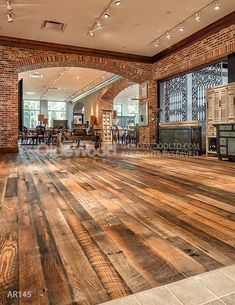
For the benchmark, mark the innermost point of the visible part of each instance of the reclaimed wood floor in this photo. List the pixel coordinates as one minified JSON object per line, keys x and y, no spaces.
{"x":84,"y":231}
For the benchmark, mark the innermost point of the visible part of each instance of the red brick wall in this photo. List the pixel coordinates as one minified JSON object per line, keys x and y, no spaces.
{"x":116,"y":88}
{"x":94,"y":104}
{"x":210,"y":49}
{"x":203,"y":52}
{"x":12,"y":60}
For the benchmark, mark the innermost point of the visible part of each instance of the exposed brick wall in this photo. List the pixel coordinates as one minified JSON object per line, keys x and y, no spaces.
{"x":8,"y":101}
{"x":102,"y":99}
{"x":40,"y":59}
{"x":203,"y":52}
{"x":13,"y":60}
{"x":148,"y":134}
{"x":116,"y":88}
{"x":213,"y":48}
{"x":94,"y":104}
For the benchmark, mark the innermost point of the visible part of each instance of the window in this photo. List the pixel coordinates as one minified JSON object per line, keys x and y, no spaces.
{"x":31,"y":112}
{"x":56,"y":111}
{"x":133,"y":109}
{"x":183,"y":98}
{"x":118,"y":108}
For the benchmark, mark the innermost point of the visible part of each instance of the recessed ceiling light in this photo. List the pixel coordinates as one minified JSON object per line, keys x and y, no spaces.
{"x":30,"y":93}
{"x":36,"y":75}
{"x":117,"y":2}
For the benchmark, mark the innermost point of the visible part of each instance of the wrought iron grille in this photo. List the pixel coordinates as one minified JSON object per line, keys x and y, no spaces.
{"x":184,"y":97}
{"x":175,"y":104}
{"x":201,"y":80}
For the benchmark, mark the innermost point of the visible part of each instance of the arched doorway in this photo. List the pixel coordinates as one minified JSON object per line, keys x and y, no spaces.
{"x":17,"y":60}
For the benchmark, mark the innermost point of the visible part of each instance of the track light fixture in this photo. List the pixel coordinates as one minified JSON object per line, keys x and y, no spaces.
{"x":9,"y":6}
{"x":91,"y":33}
{"x":168,"y":35}
{"x":157,"y":43}
{"x":10,"y":17}
{"x":181,"y":26}
{"x":107,"y":13}
{"x":217,"y":5}
{"x":181,"y":29}
{"x":197,"y":16}
{"x":98,"y":24}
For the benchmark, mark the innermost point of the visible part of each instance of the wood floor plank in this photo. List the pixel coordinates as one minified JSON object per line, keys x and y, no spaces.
{"x":86,"y":230}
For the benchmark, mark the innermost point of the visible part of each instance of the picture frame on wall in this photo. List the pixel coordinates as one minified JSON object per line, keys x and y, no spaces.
{"x":143,"y":113}
{"x":144,"y":91}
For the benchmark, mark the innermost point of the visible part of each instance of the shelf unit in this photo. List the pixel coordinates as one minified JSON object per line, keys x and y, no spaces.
{"x":220,"y":110}
{"x":106,"y":126}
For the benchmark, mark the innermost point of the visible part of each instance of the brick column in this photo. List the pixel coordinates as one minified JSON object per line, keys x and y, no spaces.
{"x":8,"y":101}
{"x":148,"y":134}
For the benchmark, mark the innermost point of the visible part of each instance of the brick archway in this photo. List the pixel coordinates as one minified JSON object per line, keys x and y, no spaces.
{"x":115,"y":89}
{"x":20,"y":59}
{"x":104,"y":97}
{"x":136,"y":72}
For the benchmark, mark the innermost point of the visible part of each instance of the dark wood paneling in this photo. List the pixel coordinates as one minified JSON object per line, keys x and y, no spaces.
{"x":231,"y":68}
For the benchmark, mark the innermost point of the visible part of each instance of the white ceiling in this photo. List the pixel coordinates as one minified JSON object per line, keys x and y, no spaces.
{"x":131,"y":27}
{"x":130,"y":92}
{"x":65,"y":81}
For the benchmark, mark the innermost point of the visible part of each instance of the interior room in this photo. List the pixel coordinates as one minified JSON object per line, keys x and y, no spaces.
{"x":117,"y":150}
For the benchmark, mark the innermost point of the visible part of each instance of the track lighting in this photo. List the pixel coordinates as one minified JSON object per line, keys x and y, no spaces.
{"x":9,"y":6}
{"x":181,"y":29}
{"x":217,"y":5}
{"x":181,"y":26}
{"x":157,"y":43}
{"x":197,"y":17}
{"x":10,"y":17}
{"x":107,"y":13}
{"x":91,"y":33}
{"x":168,"y":35}
{"x":98,"y":24}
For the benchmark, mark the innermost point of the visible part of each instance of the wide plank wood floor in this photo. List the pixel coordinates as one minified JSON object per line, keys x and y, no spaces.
{"x":88,"y":230}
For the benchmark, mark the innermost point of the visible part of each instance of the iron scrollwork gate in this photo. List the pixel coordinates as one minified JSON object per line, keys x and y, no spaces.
{"x":201,"y":80}
{"x":175,"y":106}
{"x":184,"y":97}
